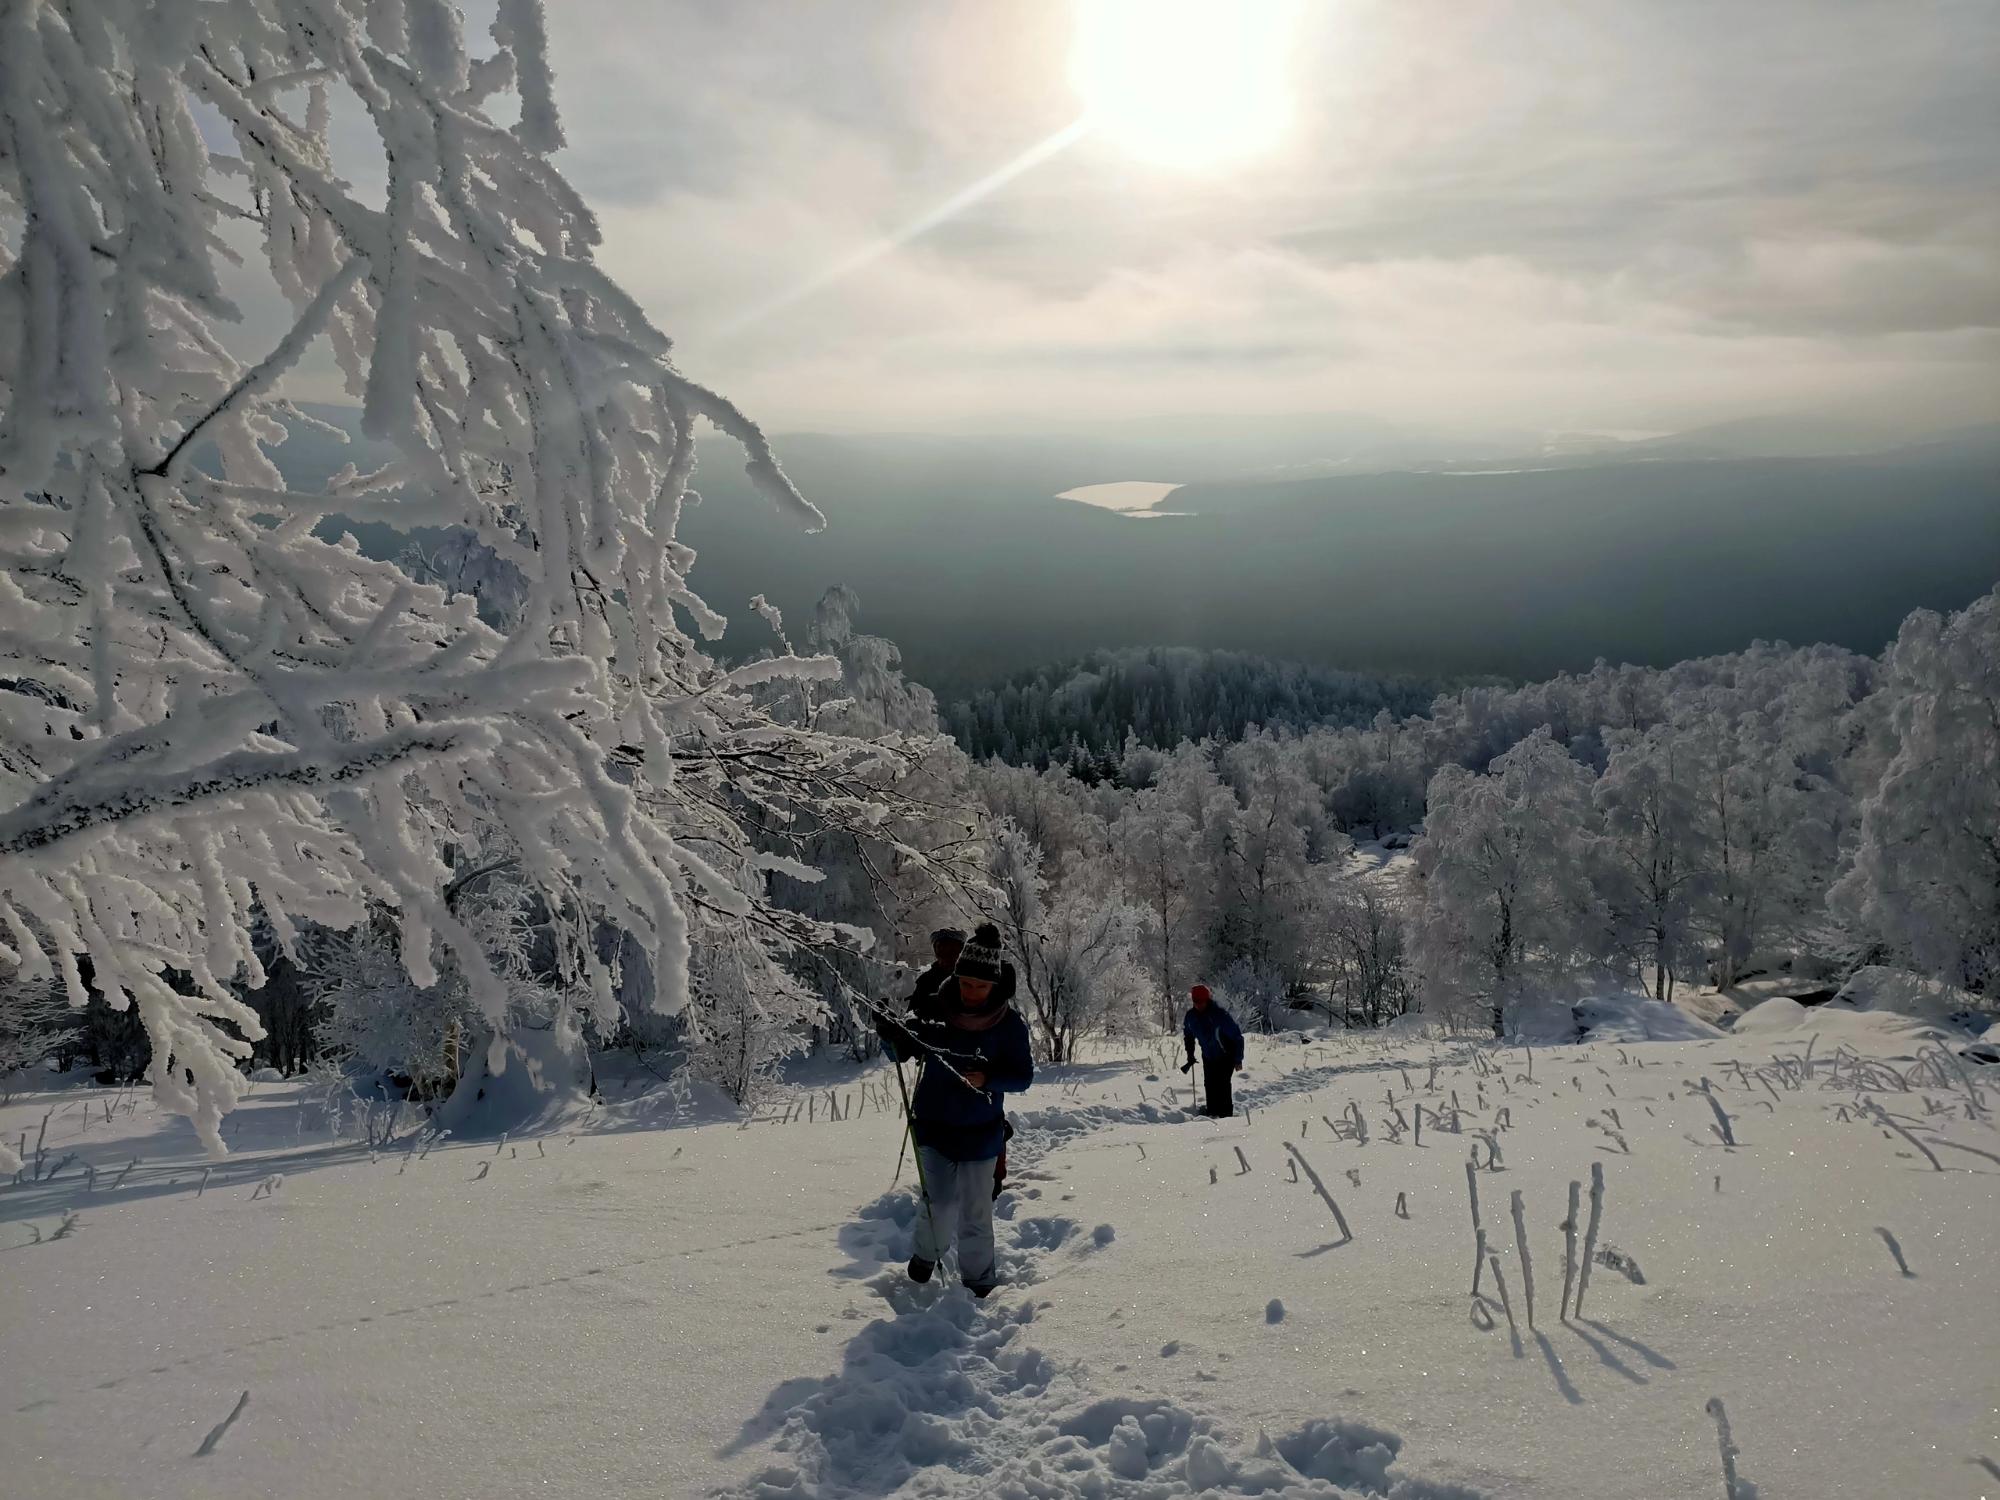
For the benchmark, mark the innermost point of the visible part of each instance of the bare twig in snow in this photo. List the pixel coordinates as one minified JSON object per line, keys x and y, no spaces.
{"x":215,"y":1433}
{"x":1897,"y":1251}
{"x":1478,"y":1229}
{"x":1734,"y":1486}
{"x":1319,"y":1187}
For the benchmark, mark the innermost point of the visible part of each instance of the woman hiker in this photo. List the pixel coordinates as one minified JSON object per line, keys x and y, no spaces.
{"x":1221,"y":1041}
{"x":974,"y":1047}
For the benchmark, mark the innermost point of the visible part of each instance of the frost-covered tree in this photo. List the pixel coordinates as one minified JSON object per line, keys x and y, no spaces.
{"x":1925,"y":884}
{"x":376,"y":1023}
{"x":1653,"y":848}
{"x":1071,"y":942}
{"x":36,"y":1022}
{"x":214,"y":704}
{"x":1265,"y":852}
{"x":1508,"y":906}
{"x":1167,"y":884}
{"x":1364,"y":949}
{"x":749,"y":1013}
{"x":1770,"y":829}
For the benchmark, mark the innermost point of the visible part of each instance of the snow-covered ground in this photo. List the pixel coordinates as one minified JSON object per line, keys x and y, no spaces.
{"x":628,"y":1306}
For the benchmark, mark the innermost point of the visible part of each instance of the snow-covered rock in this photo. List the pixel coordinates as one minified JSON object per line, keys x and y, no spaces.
{"x":1616,"y":1017}
{"x":1899,"y":992}
{"x":1836,"y":1022}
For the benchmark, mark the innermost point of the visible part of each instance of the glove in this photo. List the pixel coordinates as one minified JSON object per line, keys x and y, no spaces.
{"x":1188,"y":1065}
{"x":896,"y":1038}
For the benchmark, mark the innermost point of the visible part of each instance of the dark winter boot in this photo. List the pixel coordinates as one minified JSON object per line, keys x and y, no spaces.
{"x":981,"y":1289}
{"x":920,"y":1269}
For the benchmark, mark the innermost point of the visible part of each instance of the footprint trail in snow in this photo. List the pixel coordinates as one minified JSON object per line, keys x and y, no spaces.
{"x":947,"y":1397}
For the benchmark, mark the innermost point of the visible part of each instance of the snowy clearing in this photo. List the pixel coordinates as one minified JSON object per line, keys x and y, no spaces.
{"x":1276,"y":1305}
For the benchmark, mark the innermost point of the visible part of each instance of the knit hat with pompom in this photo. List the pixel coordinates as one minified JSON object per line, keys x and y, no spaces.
{"x":980,"y":957}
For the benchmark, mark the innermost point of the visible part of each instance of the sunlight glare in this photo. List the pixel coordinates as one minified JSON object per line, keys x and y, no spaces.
{"x":1186,"y":83}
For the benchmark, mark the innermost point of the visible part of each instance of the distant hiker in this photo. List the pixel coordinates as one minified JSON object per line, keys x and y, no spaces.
{"x":1221,"y":1041}
{"x":945,"y":945}
{"x":974,"y":1048}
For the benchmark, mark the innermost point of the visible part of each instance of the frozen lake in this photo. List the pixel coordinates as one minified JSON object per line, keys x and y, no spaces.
{"x":1134,"y":498}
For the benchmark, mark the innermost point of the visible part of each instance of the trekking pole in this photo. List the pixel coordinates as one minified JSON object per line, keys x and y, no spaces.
{"x":904,"y":1149}
{"x":910,"y":1139}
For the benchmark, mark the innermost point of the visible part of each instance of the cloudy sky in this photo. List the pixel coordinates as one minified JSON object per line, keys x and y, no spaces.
{"x":1613,"y":215}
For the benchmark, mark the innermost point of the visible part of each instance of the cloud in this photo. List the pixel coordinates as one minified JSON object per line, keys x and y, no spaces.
{"x":1621,"y":214}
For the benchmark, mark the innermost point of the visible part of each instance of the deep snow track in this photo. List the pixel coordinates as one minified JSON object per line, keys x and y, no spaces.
{"x":945,"y":1396}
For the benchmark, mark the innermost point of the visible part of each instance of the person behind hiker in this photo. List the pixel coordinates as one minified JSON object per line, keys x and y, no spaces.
{"x":1221,"y":1041}
{"x":974,"y":1047}
{"x":945,"y":945}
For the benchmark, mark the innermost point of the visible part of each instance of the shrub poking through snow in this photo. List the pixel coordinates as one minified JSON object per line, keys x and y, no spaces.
{"x":1590,"y":1235}
{"x":1612,"y":1258}
{"x":1527,"y":1263}
{"x":1569,"y":1244}
{"x":1478,"y":1229}
{"x":1883,"y":1115}
{"x":1616,"y":1136}
{"x":1734,"y":1486}
{"x":1722,"y":1124}
{"x":1506,"y":1305}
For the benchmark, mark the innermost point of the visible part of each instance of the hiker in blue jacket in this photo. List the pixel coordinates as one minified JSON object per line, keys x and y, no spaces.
{"x":974,"y":1047}
{"x":1221,"y":1042}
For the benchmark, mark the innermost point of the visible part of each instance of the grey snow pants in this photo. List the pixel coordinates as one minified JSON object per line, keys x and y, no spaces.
{"x":961,"y":1203}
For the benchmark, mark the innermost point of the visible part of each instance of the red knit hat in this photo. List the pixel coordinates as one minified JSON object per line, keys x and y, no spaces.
{"x":1200,"y":992}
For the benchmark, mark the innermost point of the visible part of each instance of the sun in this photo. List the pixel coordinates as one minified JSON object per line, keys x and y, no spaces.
{"x":1191,"y":84}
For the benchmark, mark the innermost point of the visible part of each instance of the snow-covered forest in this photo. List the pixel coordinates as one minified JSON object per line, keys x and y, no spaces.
{"x":487,"y":841}
{"x":1082,"y":713}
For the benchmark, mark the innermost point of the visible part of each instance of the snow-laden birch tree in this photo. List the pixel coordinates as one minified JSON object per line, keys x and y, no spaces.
{"x":1155,"y":840}
{"x":1655,"y":855}
{"x":213,"y":704}
{"x":1925,"y":883}
{"x":1508,"y":906}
